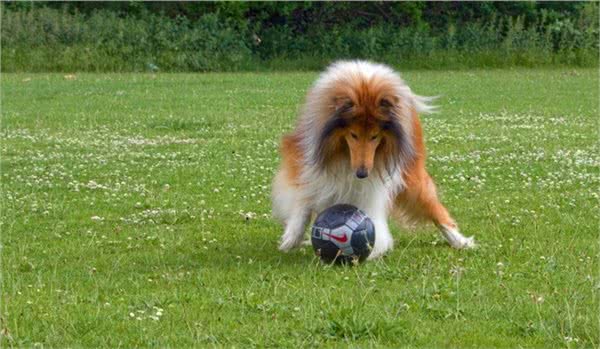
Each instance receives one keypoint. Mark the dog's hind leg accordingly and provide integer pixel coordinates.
(419, 200)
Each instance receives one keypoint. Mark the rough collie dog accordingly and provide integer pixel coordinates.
(359, 141)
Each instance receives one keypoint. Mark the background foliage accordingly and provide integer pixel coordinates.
(216, 36)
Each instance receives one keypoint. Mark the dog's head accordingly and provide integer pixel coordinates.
(366, 121)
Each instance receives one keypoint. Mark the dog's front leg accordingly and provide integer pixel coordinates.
(294, 228)
(383, 239)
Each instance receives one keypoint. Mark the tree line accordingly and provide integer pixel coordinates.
(216, 36)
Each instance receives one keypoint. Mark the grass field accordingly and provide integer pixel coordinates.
(136, 212)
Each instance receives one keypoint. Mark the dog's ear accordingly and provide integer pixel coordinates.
(342, 102)
(388, 101)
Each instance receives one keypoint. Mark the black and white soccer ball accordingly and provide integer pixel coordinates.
(343, 234)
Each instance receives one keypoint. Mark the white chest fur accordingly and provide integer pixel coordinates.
(340, 186)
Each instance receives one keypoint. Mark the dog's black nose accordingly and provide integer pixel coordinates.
(362, 172)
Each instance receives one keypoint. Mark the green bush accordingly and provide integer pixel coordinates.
(228, 36)
(47, 40)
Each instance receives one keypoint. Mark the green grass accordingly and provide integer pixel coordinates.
(124, 199)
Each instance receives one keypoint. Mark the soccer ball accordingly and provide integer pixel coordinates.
(343, 234)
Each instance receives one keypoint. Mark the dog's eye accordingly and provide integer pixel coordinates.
(385, 103)
(353, 135)
(342, 104)
(374, 137)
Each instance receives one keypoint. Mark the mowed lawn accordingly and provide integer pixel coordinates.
(136, 212)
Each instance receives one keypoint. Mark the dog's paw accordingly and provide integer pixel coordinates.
(463, 243)
(377, 253)
(383, 245)
(456, 239)
(289, 243)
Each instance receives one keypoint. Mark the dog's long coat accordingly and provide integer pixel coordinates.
(359, 141)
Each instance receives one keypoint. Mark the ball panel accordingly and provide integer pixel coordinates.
(335, 216)
(326, 250)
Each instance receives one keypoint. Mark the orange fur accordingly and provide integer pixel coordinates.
(291, 154)
(359, 118)
(364, 135)
(419, 200)
(363, 138)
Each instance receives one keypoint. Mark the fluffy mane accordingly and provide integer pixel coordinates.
(363, 85)
(359, 142)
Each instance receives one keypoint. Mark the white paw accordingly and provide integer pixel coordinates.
(375, 255)
(463, 243)
(456, 239)
(378, 252)
(289, 242)
(383, 240)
